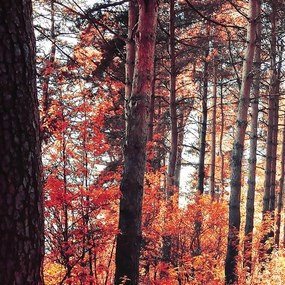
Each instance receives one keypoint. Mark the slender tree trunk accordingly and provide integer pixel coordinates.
(152, 107)
(237, 152)
(129, 238)
(181, 128)
(272, 134)
(201, 168)
(173, 108)
(21, 211)
(130, 53)
(222, 180)
(170, 187)
(281, 190)
(213, 137)
(49, 64)
(252, 152)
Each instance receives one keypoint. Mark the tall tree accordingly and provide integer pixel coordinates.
(21, 214)
(238, 146)
(203, 132)
(132, 185)
(172, 163)
(213, 135)
(253, 149)
(272, 131)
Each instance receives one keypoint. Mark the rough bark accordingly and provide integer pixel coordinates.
(252, 151)
(129, 238)
(21, 214)
(238, 146)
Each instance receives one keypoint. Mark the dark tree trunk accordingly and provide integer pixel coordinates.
(213, 137)
(272, 134)
(170, 187)
(129, 238)
(130, 52)
(222, 169)
(237, 152)
(21, 213)
(201, 168)
(49, 64)
(252, 151)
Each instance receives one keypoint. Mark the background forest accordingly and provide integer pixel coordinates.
(215, 137)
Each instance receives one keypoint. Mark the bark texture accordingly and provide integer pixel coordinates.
(129, 238)
(238, 146)
(253, 149)
(21, 215)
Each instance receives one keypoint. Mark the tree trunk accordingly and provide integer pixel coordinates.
(49, 63)
(272, 134)
(281, 190)
(222, 180)
(129, 238)
(170, 187)
(252, 151)
(21, 213)
(130, 54)
(213, 137)
(201, 168)
(237, 152)
(152, 109)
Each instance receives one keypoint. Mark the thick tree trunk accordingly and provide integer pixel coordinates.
(21, 213)
(237, 152)
(252, 151)
(129, 238)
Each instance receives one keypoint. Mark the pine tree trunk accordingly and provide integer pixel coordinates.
(170, 187)
(238, 146)
(130, 54)
(129, 238)
(201, 167)
(213, 137)
(272, 135)
(281, 190)
(21, 213)
(252, 152)
(222, 180)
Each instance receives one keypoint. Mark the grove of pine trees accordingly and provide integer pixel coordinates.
(142, 142)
